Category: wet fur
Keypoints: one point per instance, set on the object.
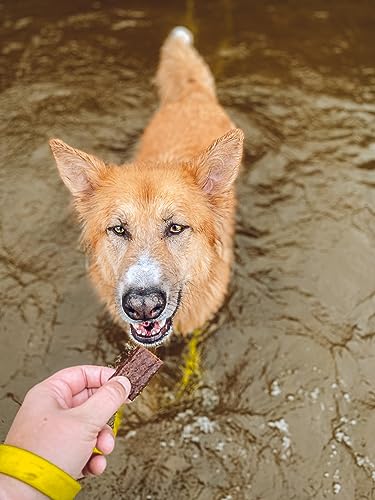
(185, 166)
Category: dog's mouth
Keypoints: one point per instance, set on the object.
(151, 333)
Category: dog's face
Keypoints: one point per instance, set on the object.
(151, 229)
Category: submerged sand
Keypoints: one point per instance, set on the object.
(284, 407)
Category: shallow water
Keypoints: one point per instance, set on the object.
(284, 408)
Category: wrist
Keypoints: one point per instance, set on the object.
(11, 489)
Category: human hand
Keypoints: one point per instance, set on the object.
(64, 417)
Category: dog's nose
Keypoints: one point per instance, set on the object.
(144, 305)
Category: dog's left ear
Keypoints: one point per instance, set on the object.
(218, 167)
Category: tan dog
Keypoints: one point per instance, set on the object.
(159, 230)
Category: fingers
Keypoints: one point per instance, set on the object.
(95, 466)
(105, 443)
(105, 402)
(82, 396)
(78, 378)
(106, 440)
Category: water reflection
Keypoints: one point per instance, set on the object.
(292, 348)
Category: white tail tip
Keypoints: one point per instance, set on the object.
(183, 34)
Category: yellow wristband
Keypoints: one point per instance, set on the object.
(38, 473)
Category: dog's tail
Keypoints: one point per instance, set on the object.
(181, 69)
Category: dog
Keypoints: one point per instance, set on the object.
(158, 230)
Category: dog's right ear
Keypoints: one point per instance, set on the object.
(79, 171)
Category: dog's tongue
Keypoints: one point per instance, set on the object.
(145, 330)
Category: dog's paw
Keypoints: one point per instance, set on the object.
(184, 34)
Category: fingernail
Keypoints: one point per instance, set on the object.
(112, 441)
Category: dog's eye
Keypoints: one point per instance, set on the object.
(175, 229)
(119, 230)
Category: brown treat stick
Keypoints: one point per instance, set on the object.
(139, 366)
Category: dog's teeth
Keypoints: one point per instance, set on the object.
(153, 335)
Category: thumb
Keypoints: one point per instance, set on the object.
(100, 407)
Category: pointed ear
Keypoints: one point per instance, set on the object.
(79, 171)
(218, 167)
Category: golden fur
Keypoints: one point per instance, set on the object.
(184, 169)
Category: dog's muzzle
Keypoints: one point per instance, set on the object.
(144, 307)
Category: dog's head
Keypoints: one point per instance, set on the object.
(151, 229)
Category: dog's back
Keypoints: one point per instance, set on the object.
(189, 118)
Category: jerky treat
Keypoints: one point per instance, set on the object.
(140, 365)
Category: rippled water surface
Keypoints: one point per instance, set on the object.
(284, 407)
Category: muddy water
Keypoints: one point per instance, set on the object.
(284, 407)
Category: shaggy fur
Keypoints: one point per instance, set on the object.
(182, 176)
